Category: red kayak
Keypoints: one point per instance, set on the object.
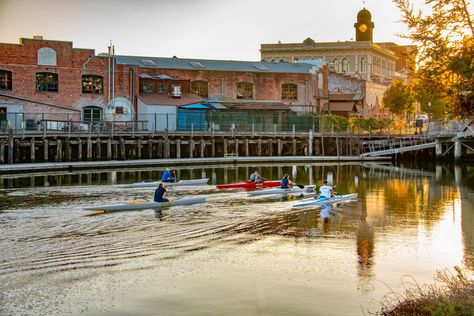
(249, 185)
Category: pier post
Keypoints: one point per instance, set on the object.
(16, 155)
(213, 147)
(2, 151)
(32, 150)
(457, 174)
(98, 153)
(270, 147)
(457, 149)
(236, 146)
(89, 149)
(68, 149)
(45, 150)
(438, 149)
(225, 147)
(139, 148)
(191, 148)
(439, 172)
(150, 148)
(178, 148)
(109, 149)
(10, 145)
(337, 147)
(279, 146)
(259, 147)
(310, 142)
(122, 148)
(166, 145)
(203, 147)
(160, 148)
(246, 147)
(294, 147)
(79, 150)
(59, 150)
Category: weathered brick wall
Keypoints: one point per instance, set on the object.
(72, 63)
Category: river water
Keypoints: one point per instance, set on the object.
(235, 254)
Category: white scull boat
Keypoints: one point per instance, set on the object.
(154, 184)
(138, 206)
(322, 201)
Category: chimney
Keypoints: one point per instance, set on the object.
(38, 37)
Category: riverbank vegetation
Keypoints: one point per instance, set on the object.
(451, 295)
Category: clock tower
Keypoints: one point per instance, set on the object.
(364, 26)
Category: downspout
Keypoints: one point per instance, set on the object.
(222, 86)
(132, 97)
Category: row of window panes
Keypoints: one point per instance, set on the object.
(46, 81)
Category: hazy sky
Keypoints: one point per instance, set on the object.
(213, 29)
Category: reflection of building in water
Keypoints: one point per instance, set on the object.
(365, 252)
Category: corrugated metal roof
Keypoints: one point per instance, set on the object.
(216, 65)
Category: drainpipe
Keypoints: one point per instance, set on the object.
(306, 92)
(132, 97)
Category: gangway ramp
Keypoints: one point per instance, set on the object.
(392, 151)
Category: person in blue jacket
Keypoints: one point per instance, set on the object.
(286, 182)
(159, 193)
(167, 176)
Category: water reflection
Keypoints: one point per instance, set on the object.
(406, 221)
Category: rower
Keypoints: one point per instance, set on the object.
(255, 177)
(160, 192)
(286, 182)
(167, 176)
(326, 190)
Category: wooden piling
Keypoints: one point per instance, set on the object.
(150, 148)
(139, 148)
(213, 147)
(236, 146)
(2, 151)
(122, 148)
(246, 147)
(10, 146)
(67, 149)
(191, 148)
(32, 150)
(79, 149)
(225, 147)
(89, 149)
(279, 147)
(203, 147)
(294, 147)
(259, 147)
(45, 150)
(98, 145)
(178, 148)
(59, 151)
(109, 149)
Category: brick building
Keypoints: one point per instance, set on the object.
(39, 77)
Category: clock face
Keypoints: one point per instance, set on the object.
(362, 28)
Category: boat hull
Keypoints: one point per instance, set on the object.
(154, 184)
(308, 189)
(322, 201)
(138, 206)
(250, 185)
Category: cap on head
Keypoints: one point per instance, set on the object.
(167, 169)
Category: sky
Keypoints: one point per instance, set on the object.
(206, 29)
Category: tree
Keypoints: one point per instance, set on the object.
(445, 39)
(399, 98)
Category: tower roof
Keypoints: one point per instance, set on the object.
(364, 13)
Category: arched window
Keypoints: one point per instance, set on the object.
(362, 64)
(47, 81)
(289, 91)
(200, 88)
(5, 80)
(282, 60)
(92, 84)
(337, 65)
(345, 65)
(244, 90)
(91, 114)
(46, 56)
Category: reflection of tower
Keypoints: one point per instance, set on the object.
(365, 246)
(364, 26)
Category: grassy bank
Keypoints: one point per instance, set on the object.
(451, 295)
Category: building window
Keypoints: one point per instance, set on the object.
(91, 114)
(92, 84)
(282, 60)
(5, 80)
(46, 81)
(345, 65)
(337, 65)
(162, 87)
(200, 88)
(46, 56)
(362, 64)
(289, 91)
(244, 90)
(147, 86)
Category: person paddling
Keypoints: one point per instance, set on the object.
(160, 192)
(167, 176)
(255, 177)
(325, 190)
(286, 182)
